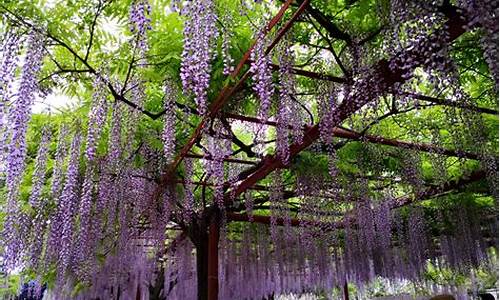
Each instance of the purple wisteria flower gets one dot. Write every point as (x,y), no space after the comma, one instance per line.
(199,42)
(18,117)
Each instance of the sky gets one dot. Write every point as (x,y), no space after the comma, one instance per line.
(53,102)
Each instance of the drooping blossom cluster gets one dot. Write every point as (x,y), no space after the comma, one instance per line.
(219,148)
(285,107)
(8,64)
(132,116)
(58,169)
(40,169)
(115,140)
(56,188)
(249,203)
(412,172)
(140,23)
(188,190)
(180,271)
(168,135)
(263,82)
(287,86)
(18,117)
(279,206)
(37,202)
(96,120)
(62,230)
(417,240)
(226,46)
(200,31)
(484,13)
(111,175)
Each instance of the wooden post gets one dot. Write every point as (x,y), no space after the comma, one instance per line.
(346,290)
(213,260)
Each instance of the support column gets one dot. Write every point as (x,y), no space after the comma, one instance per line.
(202,264)
(346,290)
(213,260)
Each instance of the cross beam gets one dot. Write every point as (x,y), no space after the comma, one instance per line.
(352,135)
(426,194)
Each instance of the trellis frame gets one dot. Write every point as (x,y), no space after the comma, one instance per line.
(455,27)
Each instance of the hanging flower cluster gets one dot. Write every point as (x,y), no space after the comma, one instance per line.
(36,201)
(289,118)
(249,205)
(140,23)
(189,191)
(55,191)
(263,81)
(180,273)
(219,148)
(111,174)
(168,135)
(132,116)
(226,46)
(199,35)
(62,230)
(58,173)
(327,106)
(279,206)
(18,117)
(115,143)
(8,64)
(96,120)
(40,168)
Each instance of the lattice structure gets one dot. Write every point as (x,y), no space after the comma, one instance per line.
(206,225)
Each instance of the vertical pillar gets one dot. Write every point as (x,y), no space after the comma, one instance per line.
(346,290)
(213,260)
(138,294)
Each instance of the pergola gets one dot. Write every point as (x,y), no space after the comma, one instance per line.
(207,229)
(204,229)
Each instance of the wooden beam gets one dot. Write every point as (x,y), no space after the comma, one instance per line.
(243,217)
(227,159)
(447,102)
(310,74)
(426,194)
(345,133)
(349,134)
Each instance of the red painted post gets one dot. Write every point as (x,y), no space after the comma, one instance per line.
(213,261)
(346,291)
